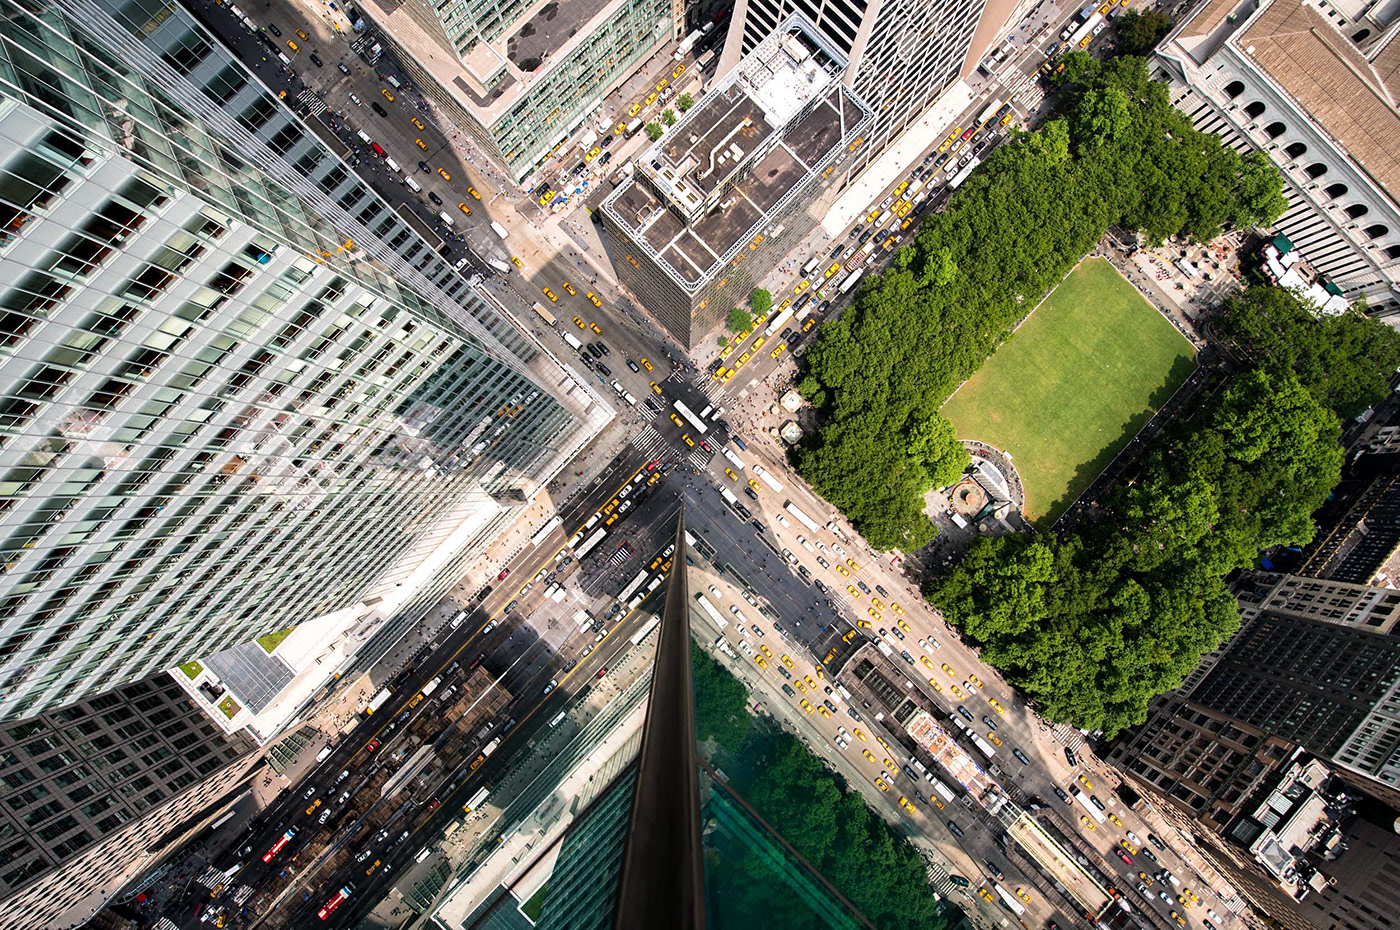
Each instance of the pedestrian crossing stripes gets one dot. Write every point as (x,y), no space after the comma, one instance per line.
(649,442)
(699,458)
(211,878)
(1068,735)
(315,106)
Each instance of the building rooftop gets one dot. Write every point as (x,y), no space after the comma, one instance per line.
(492,76)
(714,181)
(1351,99)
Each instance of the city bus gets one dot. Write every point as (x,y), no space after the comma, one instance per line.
(545,530)
(710,611)
(1079,796)
(379,700)
(691,418)
(587,545)
(637,637)
(800,517)
(548,317)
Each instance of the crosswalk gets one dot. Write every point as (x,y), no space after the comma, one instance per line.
(938,877)
(649,442)
(699,458)
(315,106)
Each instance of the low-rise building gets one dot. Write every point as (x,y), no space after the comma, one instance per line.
(737,182)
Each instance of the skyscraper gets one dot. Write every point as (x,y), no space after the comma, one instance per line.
(1315,664)
(520,77)
(103,788)
(237,391)
(736,182)
(902,55)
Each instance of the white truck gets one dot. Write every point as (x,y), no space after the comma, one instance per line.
(498,229)
(1080,37)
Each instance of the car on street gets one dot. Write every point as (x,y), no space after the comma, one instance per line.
(374,105)
(316,60)
(341,66)
(435,198)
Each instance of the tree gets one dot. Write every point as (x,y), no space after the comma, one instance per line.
(668,116)
(760,301)
(740,320)
(654,131)
(1259,195)
(934,445)
(1139,33)
(684,102)
(1345,360)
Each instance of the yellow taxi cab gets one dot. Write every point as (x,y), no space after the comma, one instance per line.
(801,286)
(811,321)
(788,661)
(579,323)
(835,267)
(464,208)
(742,359)
(810,683)
(854,566)
(765,650)
(593,153)
(869,758)
(421,144)
(882,785)
(301,34)
(862,623)
(976,681)
(800,686)
(1178,918)
(949,669)
(992,736)
(782,347)
(594,326)
(677,420)
(755,485)
(761,662)
(570,288)
(730,473)
(958,691)
(903,186)
(902,625)
(821,709)
(842,569)
(889,764)
(874,614)
(1021,893)
(807,706)
(472,192)
(896,608)
(517,262)
(908,221)
(550,294)
(1113,818)
(593,298)
(906,804)
(547,197)
(927,662)
(444,174)
(648,365)
(851,590)
(634,109)
(1088,824)
(727,375)
(370,870)
(985,895)
(1146,879)
(996,705)
(680,69)
(417,122)
(314,805)
(293,46)
(663,84)
(933,683)
(387,96)
(784,305)
(877,602)
(859,735)
(651,98)
(685,437)
(1086,782)
(656,388)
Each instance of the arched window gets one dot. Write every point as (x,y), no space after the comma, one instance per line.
(1295,150)
(1335,190)
(1234,89)
(1255,109)
(1357,210)
(1275,129)
(1316,170)
(1376,230)
(1392,252)
(1361,36)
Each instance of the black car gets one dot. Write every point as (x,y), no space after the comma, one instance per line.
(272,28)
(587,360)
(632,365)
(862,586)
(864,238)
(751,493)
(424,167)
(579,169)
(1097,802)
(989,721)
(787,334)
(1021,756)
(957,830)
(435,198)
(607,157)
(967,714)
(821,586)
(1070,757)
(593,347)
(604,346)
(1152,838)
(743,511)
(879,589)
(341,66)
(374,105)
(855,232)
(604,369)
(1149,854)
(316,60)
(607,141)
(1060,793)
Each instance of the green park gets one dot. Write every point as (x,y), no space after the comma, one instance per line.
(1080,377)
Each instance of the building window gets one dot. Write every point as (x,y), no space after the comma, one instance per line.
(1294,149)
(1255,109)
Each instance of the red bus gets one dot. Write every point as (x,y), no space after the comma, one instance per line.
(379,150)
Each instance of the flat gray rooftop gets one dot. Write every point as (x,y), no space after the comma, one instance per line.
(251,674)
(546,32)
(734,126)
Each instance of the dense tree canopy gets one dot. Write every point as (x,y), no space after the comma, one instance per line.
(1139,33)
(1345,360)
(1092,625)
(1120,154)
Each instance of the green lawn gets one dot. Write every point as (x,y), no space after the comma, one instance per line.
(272,640)
(535,905)
(191,670)
(229,707)
(1072,387)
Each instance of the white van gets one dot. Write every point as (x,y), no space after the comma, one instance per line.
(446,219)
(413,185)
(364,138)
(393,81)
(392,164)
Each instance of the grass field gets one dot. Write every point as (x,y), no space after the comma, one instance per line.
(1072,387)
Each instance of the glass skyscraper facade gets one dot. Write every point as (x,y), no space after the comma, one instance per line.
(235,387)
